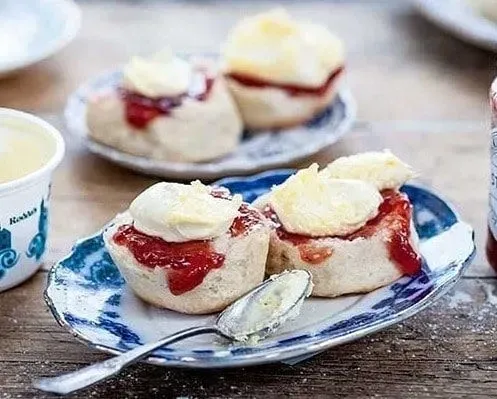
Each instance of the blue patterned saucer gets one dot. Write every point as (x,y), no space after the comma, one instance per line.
(265,150)
(88,296)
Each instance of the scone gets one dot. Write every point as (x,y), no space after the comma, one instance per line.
(281,72)
(169,109)
(189,248)
(348,225)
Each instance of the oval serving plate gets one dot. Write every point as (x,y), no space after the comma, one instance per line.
(88,296)
(461,20)
(265,150)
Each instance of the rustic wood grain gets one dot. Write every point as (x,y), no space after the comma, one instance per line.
(446,351)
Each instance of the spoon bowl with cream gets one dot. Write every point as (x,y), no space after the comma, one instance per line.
(30,149)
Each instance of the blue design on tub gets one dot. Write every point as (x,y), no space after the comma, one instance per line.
(8,256)
(38,243)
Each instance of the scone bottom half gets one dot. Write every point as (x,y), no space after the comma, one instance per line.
(193,277)
(265,105)
(379,253)
(383,248)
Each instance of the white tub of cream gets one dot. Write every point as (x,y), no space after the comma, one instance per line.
(30,149)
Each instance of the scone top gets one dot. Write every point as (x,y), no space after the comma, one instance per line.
(338,200)
(274,47)
(179,212)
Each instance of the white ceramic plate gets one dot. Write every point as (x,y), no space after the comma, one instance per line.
(88,296)
(32,30)
(460,19)
(255,153)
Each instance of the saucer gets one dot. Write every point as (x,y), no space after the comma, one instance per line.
(461,20)
(265,150)
(88,296)
(32,30)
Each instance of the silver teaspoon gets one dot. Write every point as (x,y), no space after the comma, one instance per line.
(254,316)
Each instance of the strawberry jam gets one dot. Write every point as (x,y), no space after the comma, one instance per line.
(245,221)
(140,110)
(248,217)
(394,217)
(187,262)
(292,90)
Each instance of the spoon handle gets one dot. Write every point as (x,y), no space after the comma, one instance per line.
(87,376)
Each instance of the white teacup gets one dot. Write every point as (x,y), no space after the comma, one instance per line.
(30,149)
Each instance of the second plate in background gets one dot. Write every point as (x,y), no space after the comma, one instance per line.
(255,153)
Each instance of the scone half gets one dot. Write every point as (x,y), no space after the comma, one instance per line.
(197,130)
(243,268)
(374,256)
(273,107)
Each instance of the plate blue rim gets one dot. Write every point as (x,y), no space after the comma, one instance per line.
(296,346)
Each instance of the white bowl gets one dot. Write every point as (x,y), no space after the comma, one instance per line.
(32,30)
(460,19)
(24,206)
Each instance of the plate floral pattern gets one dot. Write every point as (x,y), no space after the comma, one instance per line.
(88,296)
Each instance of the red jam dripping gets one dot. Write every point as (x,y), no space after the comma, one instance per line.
(292,90)
(140,110)
(313,254)
(248,217)
(245,221)
(394,215)
(187,262)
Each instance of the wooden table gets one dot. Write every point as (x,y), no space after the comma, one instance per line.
(420,92)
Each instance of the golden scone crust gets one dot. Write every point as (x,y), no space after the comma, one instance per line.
(242,270)
(357,266)
(193,132)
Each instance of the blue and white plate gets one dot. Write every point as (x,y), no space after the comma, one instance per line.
(270,149)
(32,30)
(88,296)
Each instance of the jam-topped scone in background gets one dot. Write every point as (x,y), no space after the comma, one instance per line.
(167,108)
(349,225)
(189,248)
(281,72)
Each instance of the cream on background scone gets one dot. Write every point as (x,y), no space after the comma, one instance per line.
(281,72)
(189,248)
(167,108)
(348,225)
